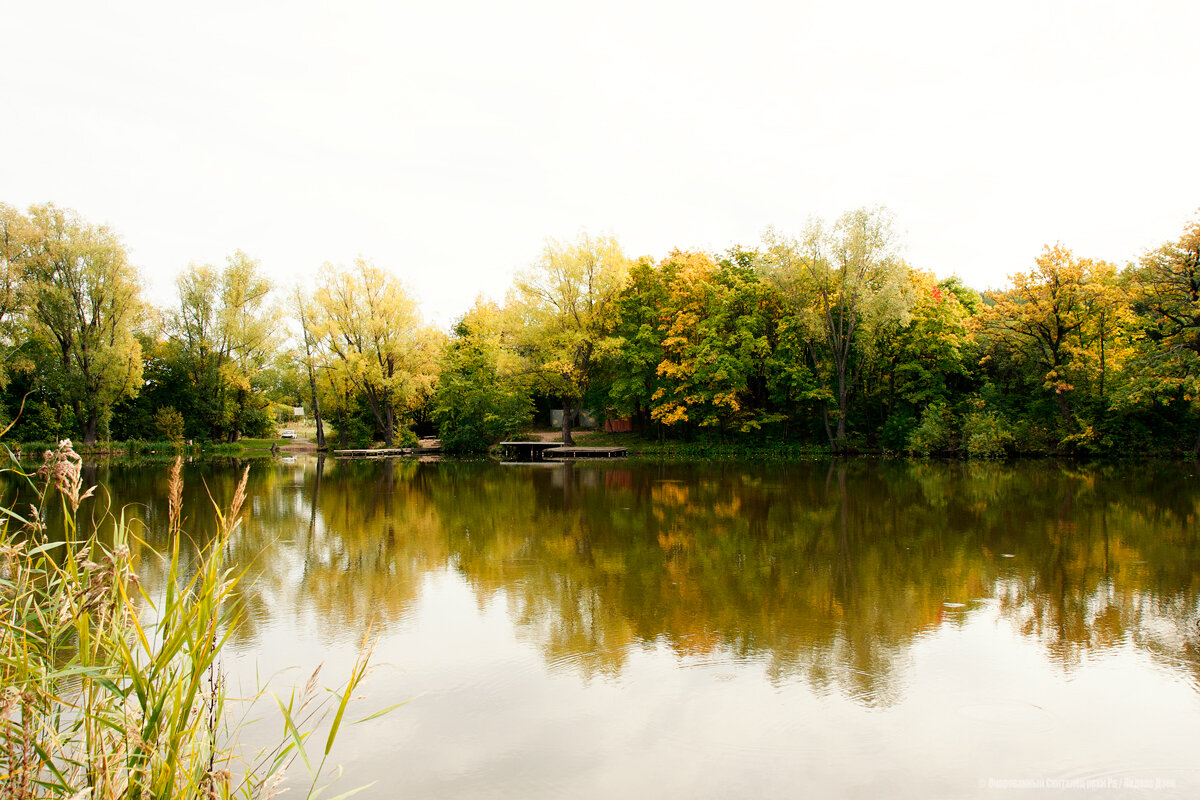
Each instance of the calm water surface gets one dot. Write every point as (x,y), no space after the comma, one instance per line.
(856,629)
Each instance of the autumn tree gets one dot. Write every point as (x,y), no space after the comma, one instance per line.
(1166,291)
(376,341)
(845,285)
(1045,323)
(715,343)
(568,302)
(83,297)
(226,330)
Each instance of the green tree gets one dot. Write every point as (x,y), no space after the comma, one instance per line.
(84,297)
(846,286)
(634,349)
(478,402)
(568,302)
(169,423)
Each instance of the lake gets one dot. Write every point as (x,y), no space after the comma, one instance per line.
(853,629)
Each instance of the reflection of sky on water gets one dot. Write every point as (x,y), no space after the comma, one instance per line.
(731,631)
(490,717)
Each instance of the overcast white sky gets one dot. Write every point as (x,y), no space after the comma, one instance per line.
(447,140)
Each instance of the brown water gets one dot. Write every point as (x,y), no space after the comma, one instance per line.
(856,629)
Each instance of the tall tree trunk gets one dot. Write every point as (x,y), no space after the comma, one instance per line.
(344,423)
(841,426)
(1063,408)
(389,426)
(89,427)
(316,406)
(566,422)
(843,404)
(828,430)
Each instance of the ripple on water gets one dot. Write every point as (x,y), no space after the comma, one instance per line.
(1009,714)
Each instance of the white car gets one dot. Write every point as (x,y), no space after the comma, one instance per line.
(288,434)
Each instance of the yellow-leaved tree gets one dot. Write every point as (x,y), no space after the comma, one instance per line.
(226,330)
(1063,320)
(375,340)
(567,302)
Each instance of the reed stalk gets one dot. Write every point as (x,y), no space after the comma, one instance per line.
(108,692)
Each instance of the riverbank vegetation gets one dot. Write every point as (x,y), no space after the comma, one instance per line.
(109,692)
(827,339)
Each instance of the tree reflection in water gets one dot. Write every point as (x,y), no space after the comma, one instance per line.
(824,571)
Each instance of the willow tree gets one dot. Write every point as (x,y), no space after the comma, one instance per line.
(568,303)
(226,329)
(376,340)
(83,297)
(846,286)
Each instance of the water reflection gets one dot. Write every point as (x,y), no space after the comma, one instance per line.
(825,572)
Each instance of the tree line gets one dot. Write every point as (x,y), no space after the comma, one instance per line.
(827,338)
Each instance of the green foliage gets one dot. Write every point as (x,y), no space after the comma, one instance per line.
(986,434)
(829,336)
(936,432)
(170,423)
(83,301)
(717,344)
(896,430)
(634,350)
(38,422)
(849,290)
(224,334)
(567,303)
(353,425)
(406,437)
(475,406)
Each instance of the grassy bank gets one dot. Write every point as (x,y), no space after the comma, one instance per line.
(143,447)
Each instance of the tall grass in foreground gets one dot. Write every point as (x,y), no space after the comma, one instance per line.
(107,692)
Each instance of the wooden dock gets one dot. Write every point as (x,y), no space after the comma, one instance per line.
(525,451)
(555,451)
(571,453)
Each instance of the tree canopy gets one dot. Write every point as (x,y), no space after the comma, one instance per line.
(827,340)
